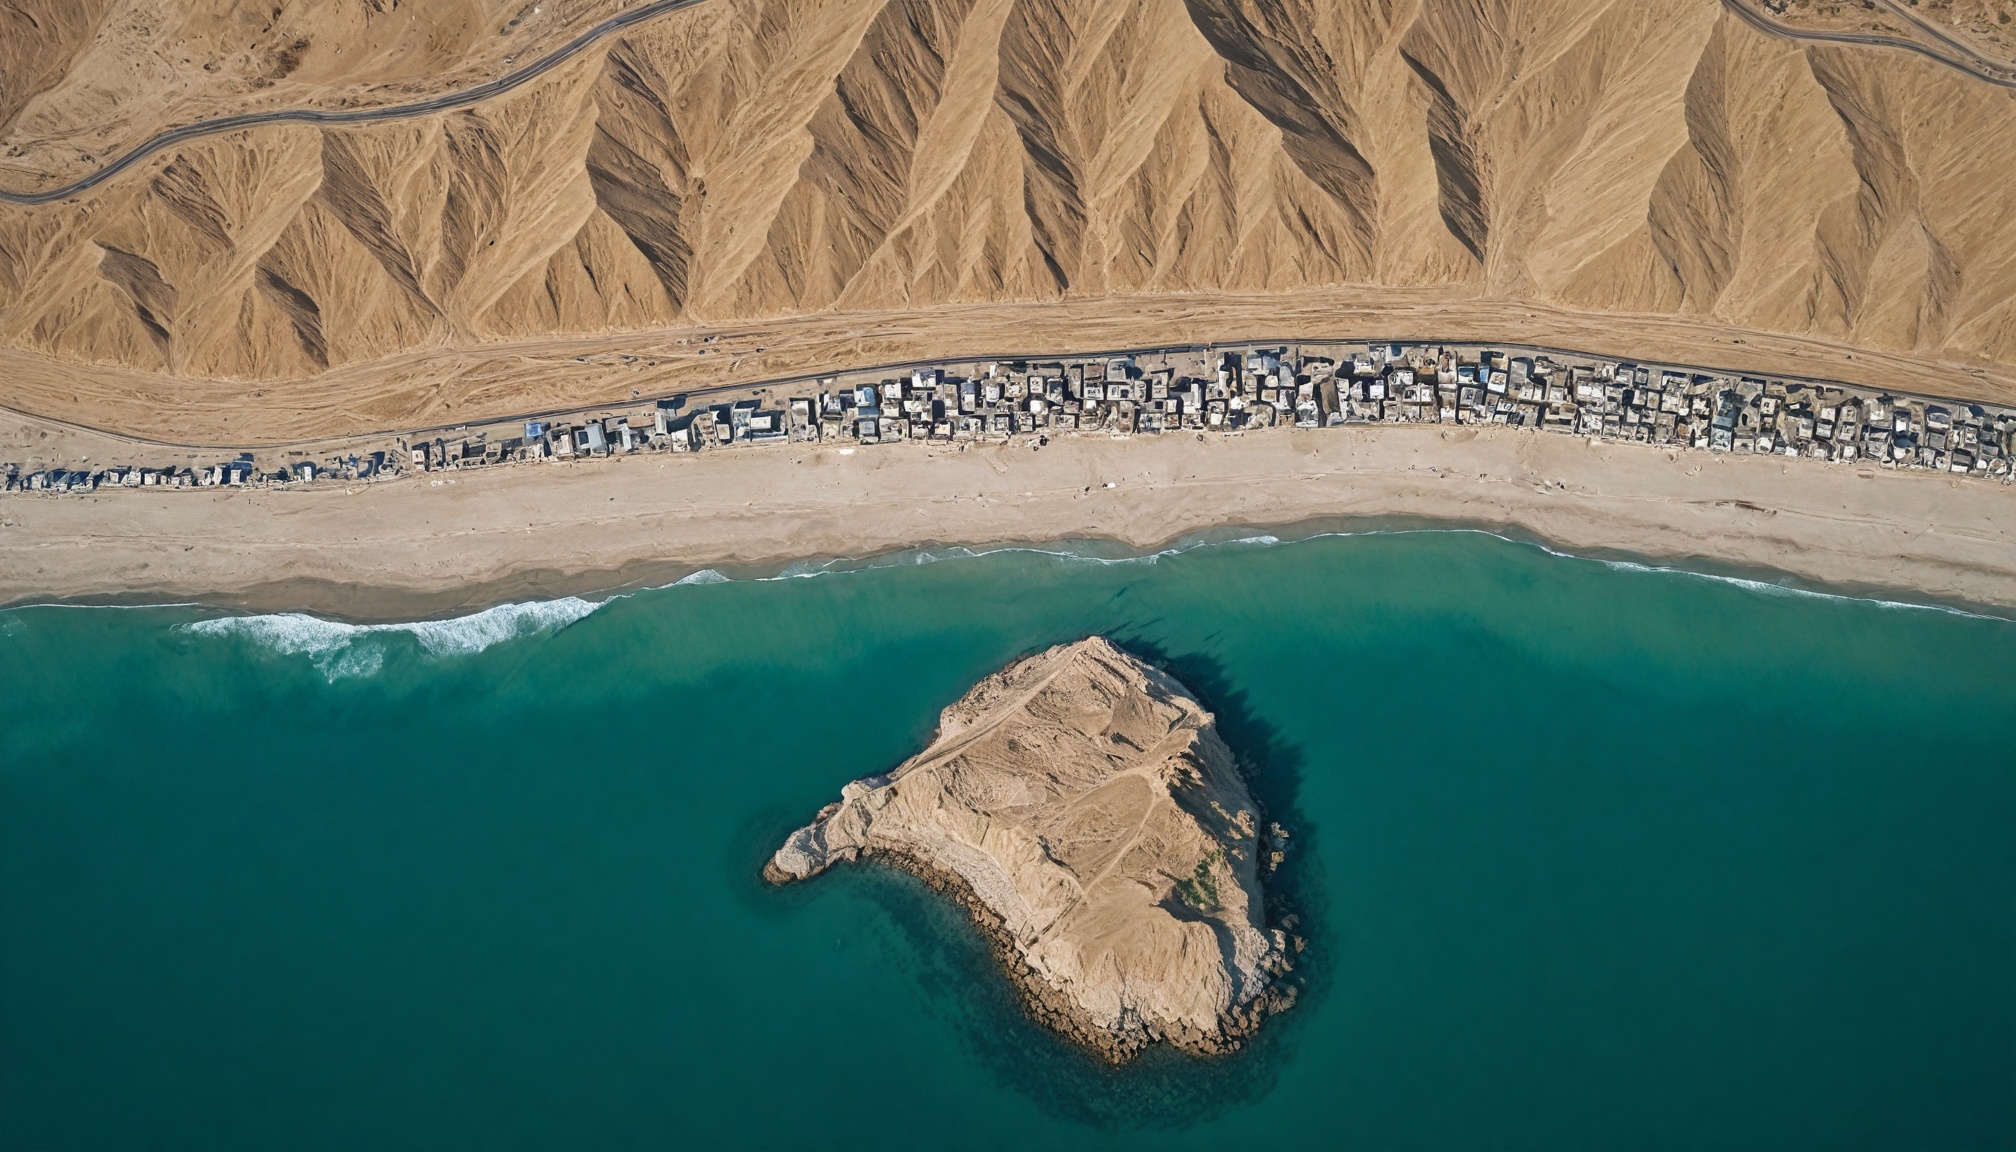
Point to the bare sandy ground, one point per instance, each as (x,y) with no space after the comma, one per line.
(448,544)
(478,382)
(864,162)
(90,79)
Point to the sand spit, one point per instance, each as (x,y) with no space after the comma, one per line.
(1082,807)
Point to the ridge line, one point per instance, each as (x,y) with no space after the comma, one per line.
(461,98)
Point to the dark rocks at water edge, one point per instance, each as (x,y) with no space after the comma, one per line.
(1081,806)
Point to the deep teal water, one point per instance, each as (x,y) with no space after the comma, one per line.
(1590,857)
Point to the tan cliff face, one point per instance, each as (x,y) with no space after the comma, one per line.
(1083,805)
(751,158)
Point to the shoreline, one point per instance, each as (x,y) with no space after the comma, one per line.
(1042,1003)
(286,598)
(417,549)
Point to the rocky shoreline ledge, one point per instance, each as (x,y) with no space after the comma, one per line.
(1082,808)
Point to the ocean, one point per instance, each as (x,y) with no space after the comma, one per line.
(1589,855)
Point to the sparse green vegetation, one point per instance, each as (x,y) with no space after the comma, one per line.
(1200,889)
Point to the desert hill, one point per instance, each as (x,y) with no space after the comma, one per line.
(86,80)
(757,158)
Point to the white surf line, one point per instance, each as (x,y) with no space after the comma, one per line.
(336,648)
(1648,567)
(958,552)
(333,646)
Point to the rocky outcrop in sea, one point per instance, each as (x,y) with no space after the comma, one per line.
(1082,807)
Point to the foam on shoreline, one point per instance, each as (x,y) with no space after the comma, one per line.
(1090,553)
(343,650)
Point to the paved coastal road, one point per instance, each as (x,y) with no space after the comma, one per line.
(460,99)
(506,83)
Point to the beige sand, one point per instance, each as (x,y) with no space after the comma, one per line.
(448,544)
(746,161)
(474,383)
(1083,806)
(90,79)
(1981,32)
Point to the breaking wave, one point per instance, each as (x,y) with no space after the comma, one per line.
(1765,587)
(341,651)
(1093,552)
(1087,553)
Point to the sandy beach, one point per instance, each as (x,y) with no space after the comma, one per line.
(446,544)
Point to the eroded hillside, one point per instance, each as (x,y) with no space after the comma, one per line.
(751,158)
(86,80)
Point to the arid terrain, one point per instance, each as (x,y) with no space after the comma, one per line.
(90,79)
(445,386)
(1981,33)
(1083,807)
(1988,26)
(875,171)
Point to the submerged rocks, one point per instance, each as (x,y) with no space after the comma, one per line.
(1082,807)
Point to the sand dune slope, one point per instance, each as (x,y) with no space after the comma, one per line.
(752,158)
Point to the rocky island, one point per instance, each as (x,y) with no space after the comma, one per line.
(1083,808)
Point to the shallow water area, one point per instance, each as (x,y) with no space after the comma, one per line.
(1589,854)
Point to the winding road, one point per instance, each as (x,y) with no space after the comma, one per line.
(1975,67)
(1949,38)
(511,80)
(453,100)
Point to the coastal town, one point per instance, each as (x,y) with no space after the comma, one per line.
(1224,390)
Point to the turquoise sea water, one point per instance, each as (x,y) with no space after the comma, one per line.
(1590,857)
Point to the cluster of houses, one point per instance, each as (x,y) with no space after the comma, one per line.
(1672,407)
(238,473)
(1264,388)
(1231,392)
